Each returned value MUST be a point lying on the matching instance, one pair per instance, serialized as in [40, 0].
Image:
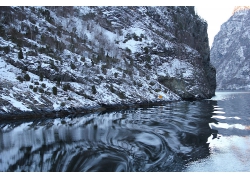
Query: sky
[215, 17]
[215, 12]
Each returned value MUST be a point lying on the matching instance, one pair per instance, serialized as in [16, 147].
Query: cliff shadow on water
[150, 138]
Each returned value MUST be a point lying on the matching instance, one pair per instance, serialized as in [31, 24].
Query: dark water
[208, 135]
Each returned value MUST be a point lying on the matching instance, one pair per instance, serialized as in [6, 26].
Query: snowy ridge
[59, 58]
[230, 54]
[238, 9]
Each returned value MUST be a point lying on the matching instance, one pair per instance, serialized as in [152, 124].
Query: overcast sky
[215, 17]
[215, 12]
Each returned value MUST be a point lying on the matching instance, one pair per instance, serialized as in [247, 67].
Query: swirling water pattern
[176, 136]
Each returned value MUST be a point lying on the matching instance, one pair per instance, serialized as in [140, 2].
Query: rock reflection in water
[158, 138]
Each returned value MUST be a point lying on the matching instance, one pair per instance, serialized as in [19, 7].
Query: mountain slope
[55, 58]
[230, 51]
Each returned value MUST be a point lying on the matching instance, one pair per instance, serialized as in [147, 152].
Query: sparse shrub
[58, 80]
[139, 84]
[66, 87]
[112, 88]
[31, 53]
[128, 50]
[157, 90]
[26, 77]
[180, 25]
[54, 90]
[82, 58]
[152, 83]
[146, 50]
[43, 85]
[56, 68]
[148, 66]
[35, 89]
[59, 33]
[135, 37]
[127, 37]
[47, 93]
[2, 31]
[129, 72]
[116, 75]
[148, 58]
[20, 78]
[121, 94]
[20, 54]
[101, 77]
[104, 70]
[6, 49]
[99, 58]
[94, 90]
[41, 77]
[53, 66]
[41, 90]
[25, 69]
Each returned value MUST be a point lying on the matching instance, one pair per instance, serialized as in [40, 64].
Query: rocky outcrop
[230, 51]
[240, 8]
[64, 57]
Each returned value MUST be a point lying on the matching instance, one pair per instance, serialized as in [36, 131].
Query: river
[209, 135]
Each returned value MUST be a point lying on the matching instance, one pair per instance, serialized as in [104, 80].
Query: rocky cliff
[230, 51]
[61, 58]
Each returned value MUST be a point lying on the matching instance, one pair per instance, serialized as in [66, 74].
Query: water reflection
[159, 138]
[230, 150]
[233, 113]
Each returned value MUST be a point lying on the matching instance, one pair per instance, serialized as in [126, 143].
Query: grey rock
[230, 52]
[105, 56]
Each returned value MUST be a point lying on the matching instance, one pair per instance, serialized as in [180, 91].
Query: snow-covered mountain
[230, 53]
[71, 58]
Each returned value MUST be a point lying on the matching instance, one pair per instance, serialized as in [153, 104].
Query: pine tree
[41, 77]
[26, 77]
[54, 89]
[2, 31]
[72, 65]
[94, 89]
[20, 54]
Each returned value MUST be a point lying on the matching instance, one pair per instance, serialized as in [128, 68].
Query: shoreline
[74, 111]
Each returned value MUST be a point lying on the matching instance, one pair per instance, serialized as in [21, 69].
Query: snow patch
[15, 103]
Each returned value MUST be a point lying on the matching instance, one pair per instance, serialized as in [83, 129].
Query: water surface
[230, 150]
[208, 135]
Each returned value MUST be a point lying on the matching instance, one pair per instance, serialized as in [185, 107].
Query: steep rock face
[64, 57]
[230, 52]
